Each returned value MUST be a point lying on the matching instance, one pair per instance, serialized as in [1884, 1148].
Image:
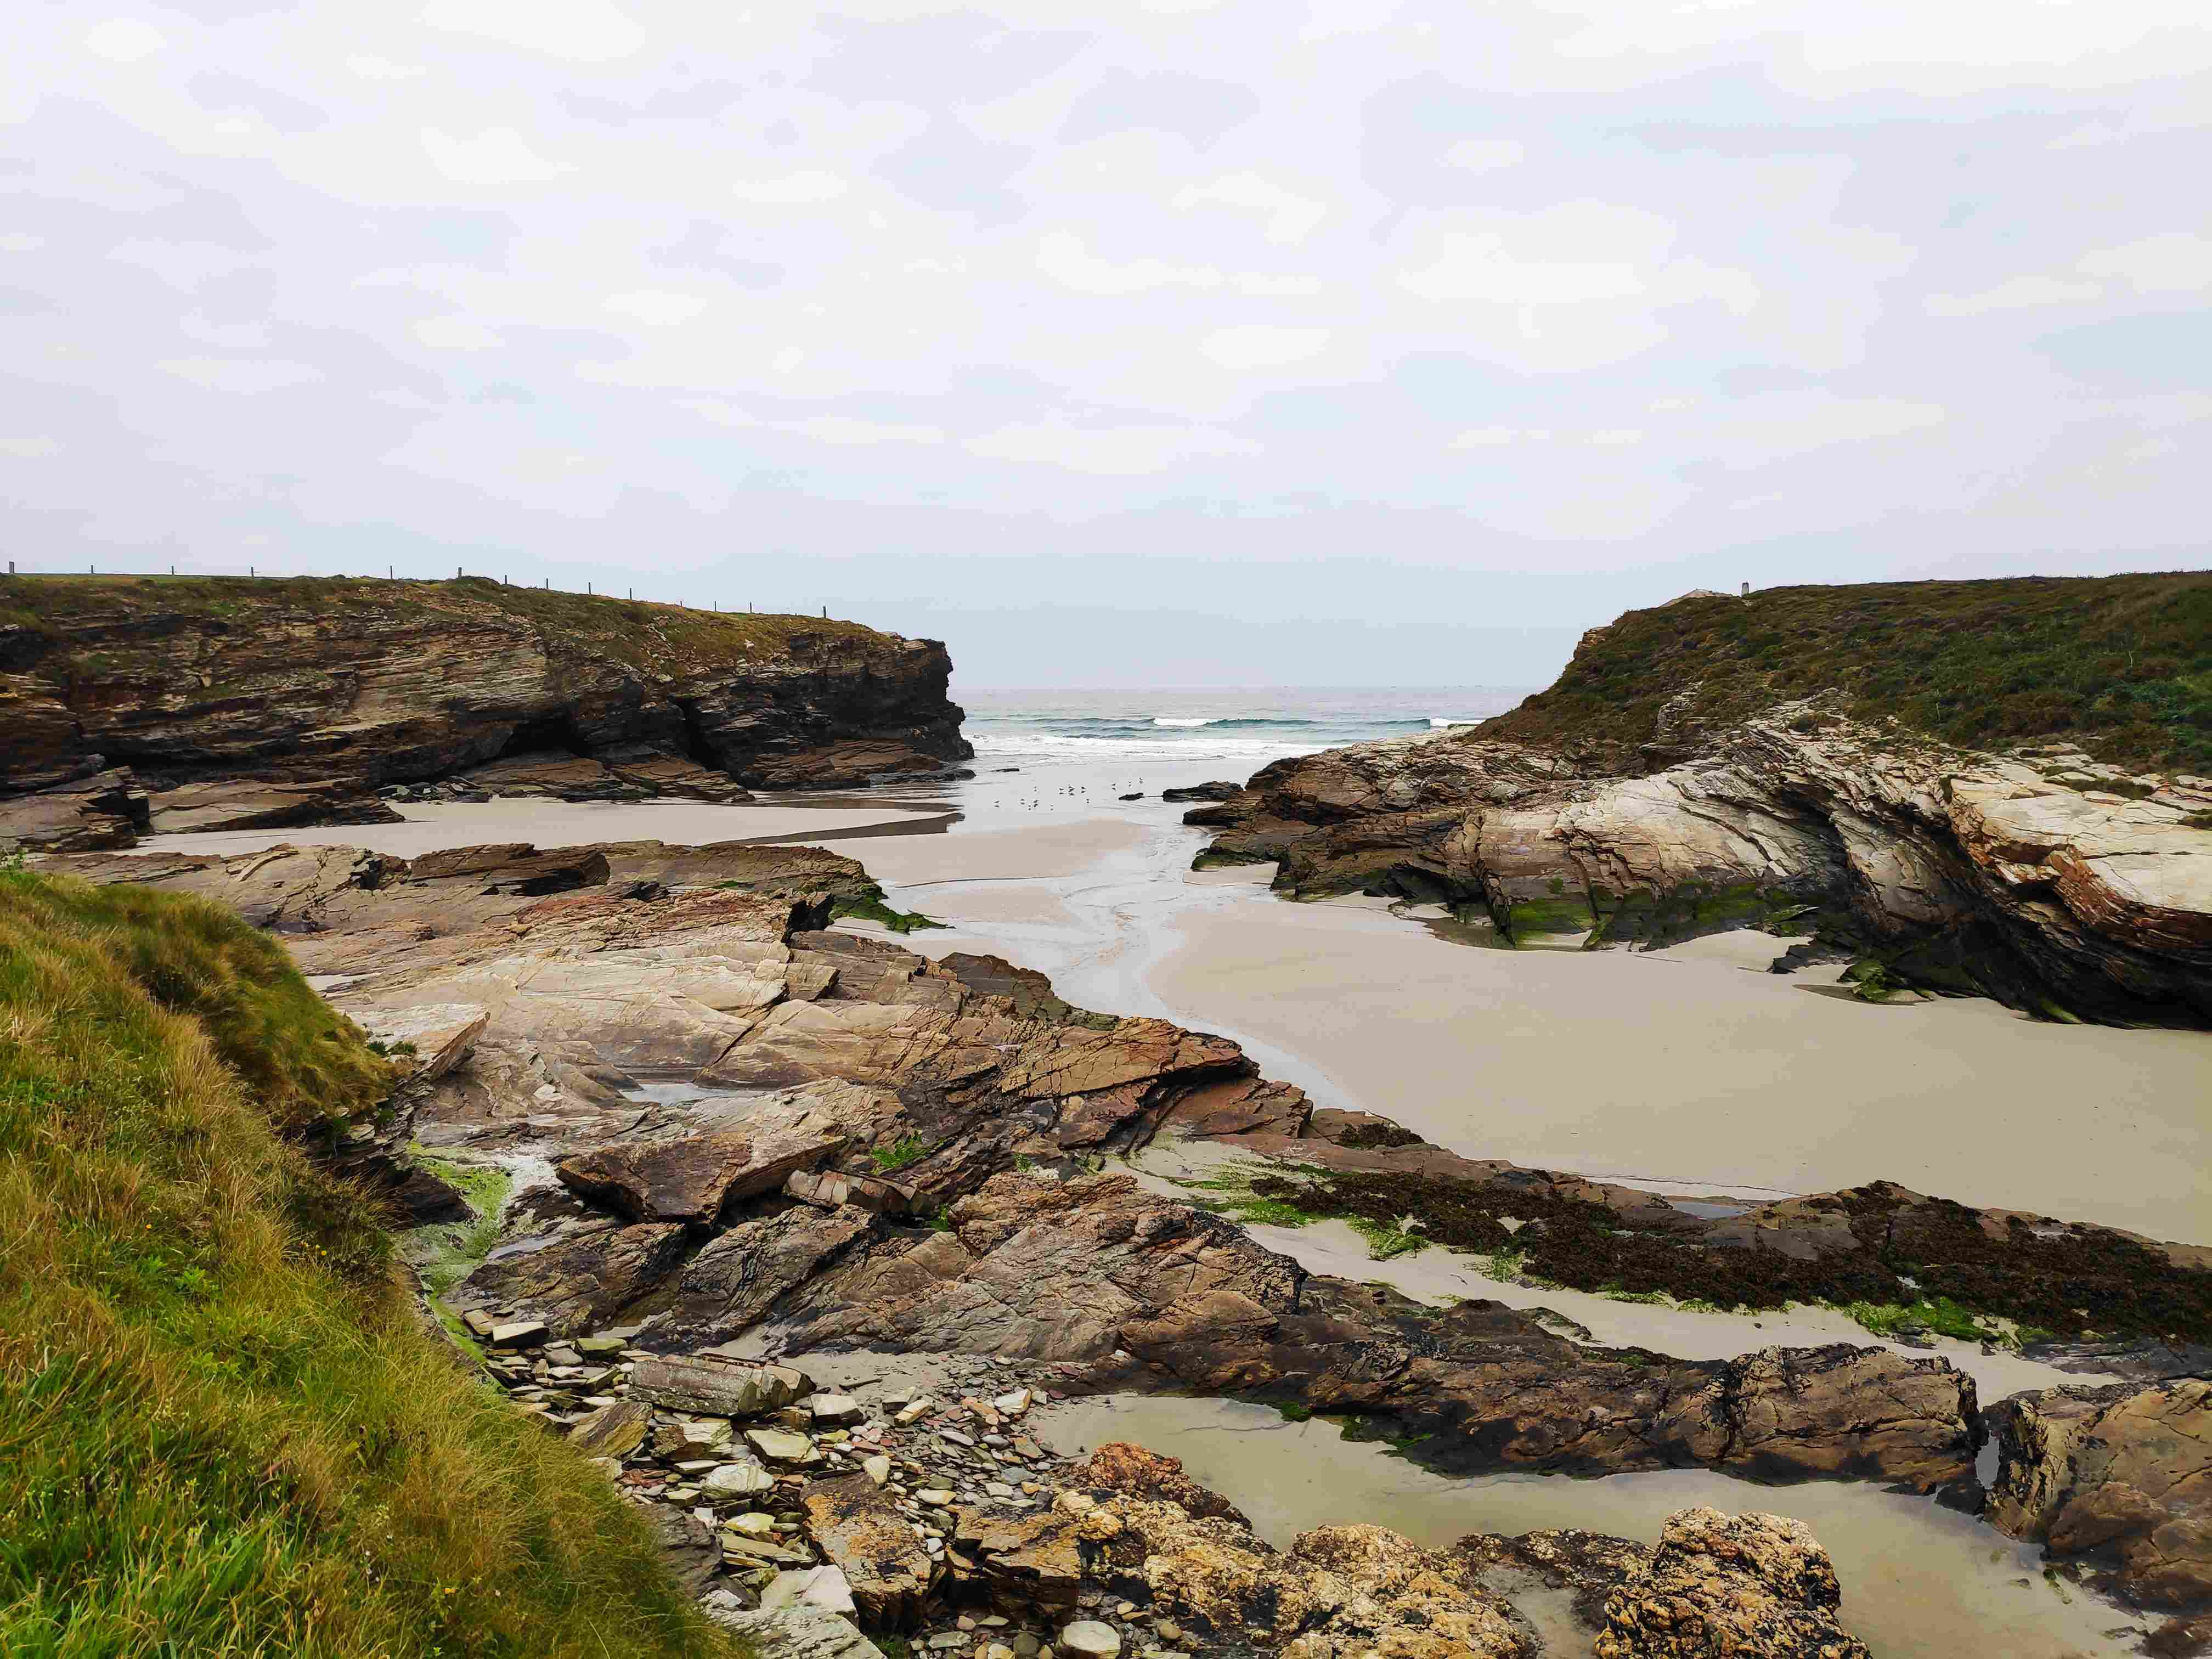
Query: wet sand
[1919, 1582]
[1690, 1071]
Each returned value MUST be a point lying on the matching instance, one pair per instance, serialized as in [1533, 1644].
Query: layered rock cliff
[318, 692]
[2065, 884]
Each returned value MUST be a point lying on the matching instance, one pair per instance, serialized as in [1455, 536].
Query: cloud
[497, 155]
[1195, 108]
[1485, 155]
[455, 334]
[245, 376]
[1063, 256]
[810, 186]
[30, 449]
[845, 430]
[2176, 262]
[1290, 217]
[2014, 293]
[124, 40]
[370, 67]
[579, 31]
[1117, 451]
[657, 307]
[1258, 345]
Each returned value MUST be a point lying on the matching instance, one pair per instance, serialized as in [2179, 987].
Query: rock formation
[2120, 1476]
[255, 704]
[1720, 1585]
[2061, 887]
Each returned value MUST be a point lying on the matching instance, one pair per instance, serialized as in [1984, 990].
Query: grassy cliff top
[222, 1429]
[652, 637]
[2121, 666]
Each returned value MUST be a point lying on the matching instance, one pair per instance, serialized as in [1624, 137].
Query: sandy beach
[1690, 1071]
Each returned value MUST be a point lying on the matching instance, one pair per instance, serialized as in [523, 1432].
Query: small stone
[753, 1524]
[876, 1468]
[479, 1322]
[936, 1497]
[1026, 1646]
[817, 1587]
[521, 1334]
[964, 1622]
[1091, 1638]
[835, 1409]
[948, 1639]
[954, 1436]
[782, 1446]
[998, 1489]
[730, 1481]
[997, 1650]
[1014, 1404]
[914, 1410]
[598, 1345]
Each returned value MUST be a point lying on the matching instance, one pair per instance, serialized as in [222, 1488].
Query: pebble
[1091, 1638]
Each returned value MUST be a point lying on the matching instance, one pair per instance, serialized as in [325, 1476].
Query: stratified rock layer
[241, 704]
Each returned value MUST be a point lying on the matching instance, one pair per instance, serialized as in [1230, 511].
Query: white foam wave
[1434, 721]
[1162, 720]
[1041, 744]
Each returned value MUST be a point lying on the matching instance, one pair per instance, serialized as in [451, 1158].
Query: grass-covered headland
[2120, 664]
[222, 1430]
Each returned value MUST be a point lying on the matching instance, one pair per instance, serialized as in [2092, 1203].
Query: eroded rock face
[1117, 1466]
[1722, 1585]
[860, 1530]
[691, 1179]
[576, 1281]
[2120, 1475]
[358, 684]
[1960, 871]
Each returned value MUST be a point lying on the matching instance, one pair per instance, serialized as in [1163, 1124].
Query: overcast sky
[1251, 342]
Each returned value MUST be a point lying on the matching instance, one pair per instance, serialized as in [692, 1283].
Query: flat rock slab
[717, 1388]
[442, 1034]
[693, 1179]
[860, 1527]
[799, 1631]
[613, 1431]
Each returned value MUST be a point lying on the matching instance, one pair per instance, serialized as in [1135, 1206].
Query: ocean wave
[1163, 720]
[1160, 747]
[1434, 721]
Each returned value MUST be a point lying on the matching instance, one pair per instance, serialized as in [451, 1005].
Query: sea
[1241, 728]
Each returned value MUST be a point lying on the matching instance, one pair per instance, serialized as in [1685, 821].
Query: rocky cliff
[1641, 800]
[237, 703]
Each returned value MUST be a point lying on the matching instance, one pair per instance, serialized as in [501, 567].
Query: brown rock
[1117, 1466]
[858, 1527]
[1720, 1586]
[717, 1387]
[578, 1281]
[693, 1179]
[244, 804]
[614, 1430]
[85, 814]
[736, 1280]
[2117, 1476]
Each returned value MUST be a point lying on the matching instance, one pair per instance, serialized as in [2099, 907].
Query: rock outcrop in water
[256, 704]
[2059, 886]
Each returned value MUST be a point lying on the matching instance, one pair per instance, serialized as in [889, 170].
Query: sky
[1179, 341]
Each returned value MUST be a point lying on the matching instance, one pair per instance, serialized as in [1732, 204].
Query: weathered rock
[782, 1446]
[1088, 1637]
[442, 1033]
[860, 1528]
[577, 1281]
[693, 1179]
[2119, 1476]
[87, 813]
[796, 1631]
[1020, 1561]
[245, 804]
[734, 1483]
[816, 1587]
[1215, 792]
[719, 1387]
[687, 1547]
[362, 683]
[1117, 1466]
[1591, 1565]
[613, 1431]
[1960, 871]
[738, 1278]
[1722, 1585]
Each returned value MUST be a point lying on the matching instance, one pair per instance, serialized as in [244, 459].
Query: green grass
[2120, 664]
[900, 1153]
[1941, 1316]
[444, 1253]
[872, 908]
[222, 1431]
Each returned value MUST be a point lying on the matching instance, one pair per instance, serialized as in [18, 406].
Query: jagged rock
[613, 1431]
[1963, 871]
[796, 1631]
[736, 1280]
[84, 814]
[1077, 1270]
[719, 1387]
[244, 804]
[1589, 1565]
[513, 868]
[1338, 1592]
[1117, 1466]
[1021, 1561]
[578, 1281]
[364, 683]
[860, 1528]
[687, 1546]
[2117, 1476]
[442, 1034]
[1215, 792]
[692, 1180]
[1721, 1585]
